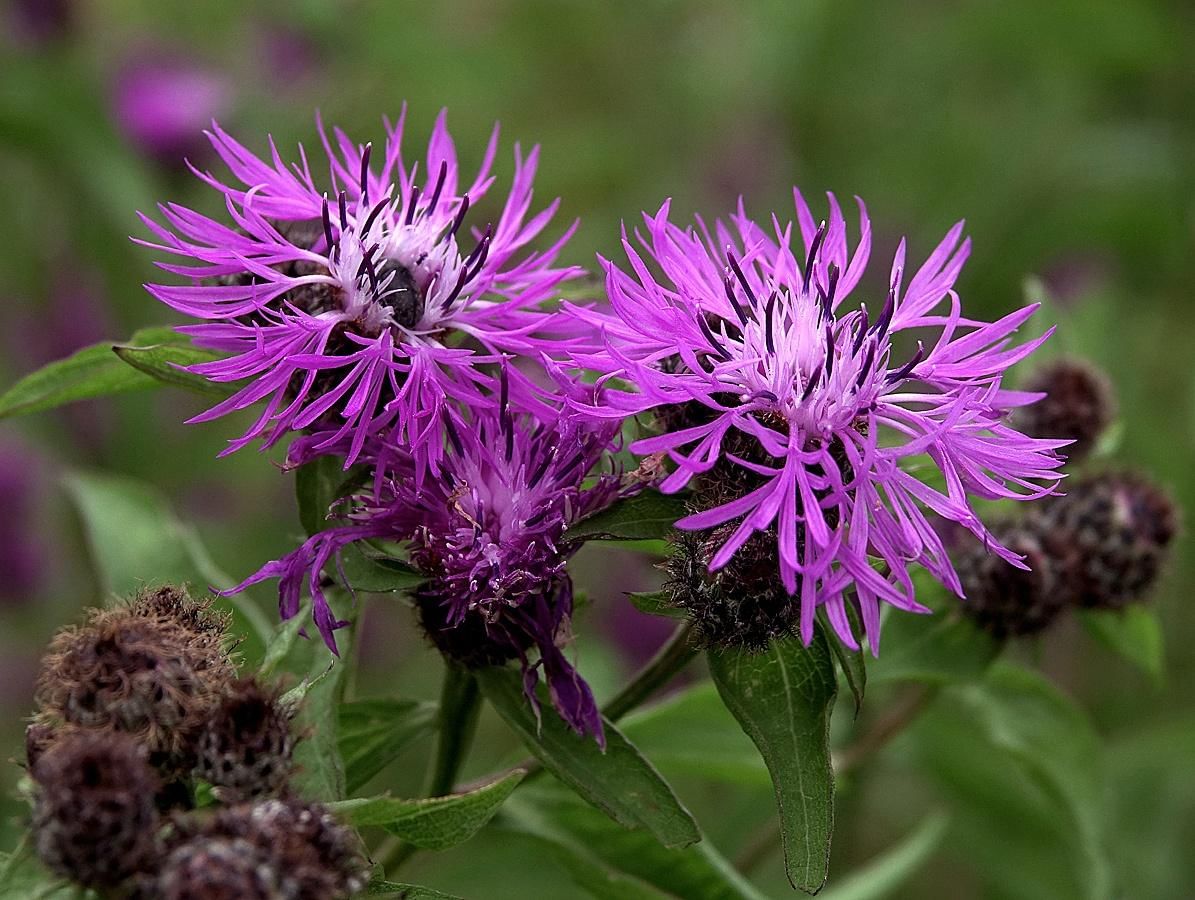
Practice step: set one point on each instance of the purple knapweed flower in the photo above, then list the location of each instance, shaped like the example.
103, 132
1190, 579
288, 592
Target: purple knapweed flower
490, 536
823, 431
363, 311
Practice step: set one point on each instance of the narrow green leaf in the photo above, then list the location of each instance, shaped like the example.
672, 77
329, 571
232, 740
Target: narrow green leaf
374, 732
618, 781
585, 870
136, 539
22, 877
368, 571
885, 874
90, 372
283, 641
782, 697
554, 813
1134, 633
657, 603
852, 662
397, 891
436, 823
319, 484
645, 516
320, 771
161, 362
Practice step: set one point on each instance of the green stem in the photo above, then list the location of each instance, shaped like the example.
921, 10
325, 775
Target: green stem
676, 653
460, 704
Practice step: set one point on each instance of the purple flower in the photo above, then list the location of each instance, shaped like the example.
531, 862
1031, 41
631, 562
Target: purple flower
490, 535
811, 422
162, 104
361, 312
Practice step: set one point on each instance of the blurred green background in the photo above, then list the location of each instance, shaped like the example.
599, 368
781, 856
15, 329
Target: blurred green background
1063, 131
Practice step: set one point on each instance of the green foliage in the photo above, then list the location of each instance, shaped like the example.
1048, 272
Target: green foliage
590, 841
374, 732
782, 698
1134, 633
656, 603
162, 361
891, 869
648, 515
396, 891
22, 877
436, 823
319, 484
852, 662
377, 573
934, 649
618, 780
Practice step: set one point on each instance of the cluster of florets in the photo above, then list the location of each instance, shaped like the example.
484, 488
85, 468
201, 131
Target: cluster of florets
134, 704
1102, 545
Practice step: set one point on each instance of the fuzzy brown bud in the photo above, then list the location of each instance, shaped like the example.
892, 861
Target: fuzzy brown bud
245, 750
1079, 405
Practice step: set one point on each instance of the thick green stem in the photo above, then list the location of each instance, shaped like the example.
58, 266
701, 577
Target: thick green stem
677, 653
460, 704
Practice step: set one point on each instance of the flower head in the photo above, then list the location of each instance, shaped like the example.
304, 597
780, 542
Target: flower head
490, 536
366, 308
809, 418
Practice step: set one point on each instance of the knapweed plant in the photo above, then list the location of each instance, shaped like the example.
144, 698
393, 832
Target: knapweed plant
825, 456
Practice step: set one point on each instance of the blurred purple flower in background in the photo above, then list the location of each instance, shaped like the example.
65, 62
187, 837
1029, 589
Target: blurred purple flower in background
22, 559
802, 413
162, 103
34, 23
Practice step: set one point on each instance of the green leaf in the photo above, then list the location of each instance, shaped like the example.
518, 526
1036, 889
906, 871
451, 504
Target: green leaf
1024, 769
398, 891
657, 603
161, 362
1134, 633
585, 870
852, 662
782, 698
934, 649
551, 812
691, 733
135, 539
374, 732
22, 877
436, 823
885, 874
618, 781
319, 484
91, 372
645, 516
283, 641
374, 573
320, 771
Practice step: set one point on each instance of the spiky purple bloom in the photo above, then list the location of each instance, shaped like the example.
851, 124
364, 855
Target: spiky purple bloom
490, 535
832, 428
367, 309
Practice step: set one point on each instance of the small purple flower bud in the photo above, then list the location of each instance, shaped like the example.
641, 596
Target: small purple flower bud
246, 748
1079, 404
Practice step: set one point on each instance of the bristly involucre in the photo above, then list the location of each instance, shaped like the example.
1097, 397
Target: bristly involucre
365, 307
490, 534
850, 435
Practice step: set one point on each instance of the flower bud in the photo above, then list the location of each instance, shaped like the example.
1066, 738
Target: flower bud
1079, 404
275, 848
1004, 600
94, 819
154, 668
1112, 534
245, 750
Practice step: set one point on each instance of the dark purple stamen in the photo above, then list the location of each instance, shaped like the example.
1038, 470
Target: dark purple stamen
373, 215
829, 352
738, 273
719, 350
365, 172
431, 206
453, 436
903, 372
344, 211
411, 206
767, 315
832, 288
881, 324
862, 332
738, 309
866, 367
814, 247
328, 226
811, 383
460, 217
542, 467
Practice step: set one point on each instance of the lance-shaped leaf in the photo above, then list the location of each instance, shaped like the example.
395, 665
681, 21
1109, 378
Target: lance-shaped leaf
319, 484
393, 890
645, 516
374, 732
657, 603
164, 362
618, 780
782, 697
436, 823
1133, 633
